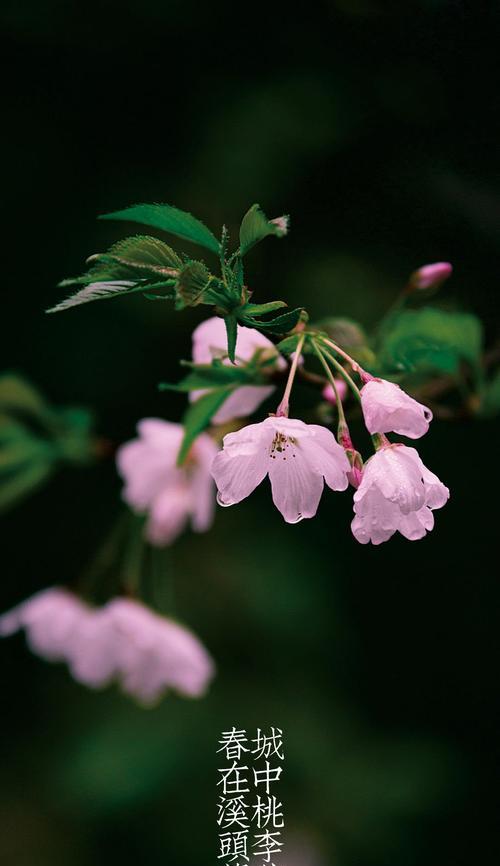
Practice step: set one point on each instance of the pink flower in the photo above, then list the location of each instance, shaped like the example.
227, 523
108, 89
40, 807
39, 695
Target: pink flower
296, 456
329, 394
397, 494
153, 653
123, 641
386, 408
50, 619
169, 494
210, 341
430, 276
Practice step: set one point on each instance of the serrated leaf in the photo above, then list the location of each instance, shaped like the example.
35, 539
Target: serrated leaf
145, 252
169, 219
199, 415
192, 284
96, 292
279, 325
255, 226
430, 339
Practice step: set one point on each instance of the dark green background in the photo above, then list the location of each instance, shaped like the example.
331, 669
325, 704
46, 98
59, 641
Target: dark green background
374, 125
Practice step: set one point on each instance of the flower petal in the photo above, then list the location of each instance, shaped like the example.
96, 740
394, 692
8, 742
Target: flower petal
296, 487
242, 464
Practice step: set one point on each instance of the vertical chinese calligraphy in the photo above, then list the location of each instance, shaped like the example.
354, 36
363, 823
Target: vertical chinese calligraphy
250, 815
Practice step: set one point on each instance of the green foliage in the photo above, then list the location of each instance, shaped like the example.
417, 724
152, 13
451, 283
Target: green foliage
214, 375
169, 219
231, 324
35, 438
255, 226
490, 403
198, 417
429, 340
280, 325
192, 285
143, 252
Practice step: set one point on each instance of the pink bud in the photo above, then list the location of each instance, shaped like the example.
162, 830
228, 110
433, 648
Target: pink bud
329, 394
431, 276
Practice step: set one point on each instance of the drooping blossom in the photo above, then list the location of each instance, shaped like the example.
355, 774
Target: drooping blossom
431, 276
210, 341
298, 457
329, 394
50, 620
154, 485
397, 493
123, 641
387, 408
153, 653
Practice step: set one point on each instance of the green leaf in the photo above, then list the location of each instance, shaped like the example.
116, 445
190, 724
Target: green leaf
279, 325
169, 219
97, 292
232, 334
145, 252
211, 376
255, 226
261, 309
430, 339
199, 415
17, 395
192, 284
24, 482
289, 345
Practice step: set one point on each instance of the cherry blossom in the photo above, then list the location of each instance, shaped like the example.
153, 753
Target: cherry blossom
387, 408
154, 485
329, 394
153, 653
210, 341
296, 456
397, 493
50, 619
123, 641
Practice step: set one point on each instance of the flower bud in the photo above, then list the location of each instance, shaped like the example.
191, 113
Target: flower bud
430, 276
328, 393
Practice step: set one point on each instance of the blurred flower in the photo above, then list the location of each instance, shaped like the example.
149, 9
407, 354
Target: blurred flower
153, 653
397, 494
210, 341
386, 408
50, 619
155, 485
123, 641
431, 276
329, 394
282, 223
297, 457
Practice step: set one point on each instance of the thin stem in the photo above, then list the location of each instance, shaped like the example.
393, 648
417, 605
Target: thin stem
354, 364
343, 372
283, 407
333, 383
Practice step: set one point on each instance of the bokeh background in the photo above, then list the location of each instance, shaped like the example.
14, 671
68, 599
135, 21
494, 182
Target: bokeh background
373, 124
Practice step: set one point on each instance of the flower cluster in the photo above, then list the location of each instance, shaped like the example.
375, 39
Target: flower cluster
123, 641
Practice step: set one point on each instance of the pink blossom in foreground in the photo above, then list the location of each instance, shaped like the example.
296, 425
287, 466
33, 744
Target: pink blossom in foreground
296, 456
430, 276
210, 341
123, 641
397, 493
170, 495
386, 408
50, 619
329, 394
